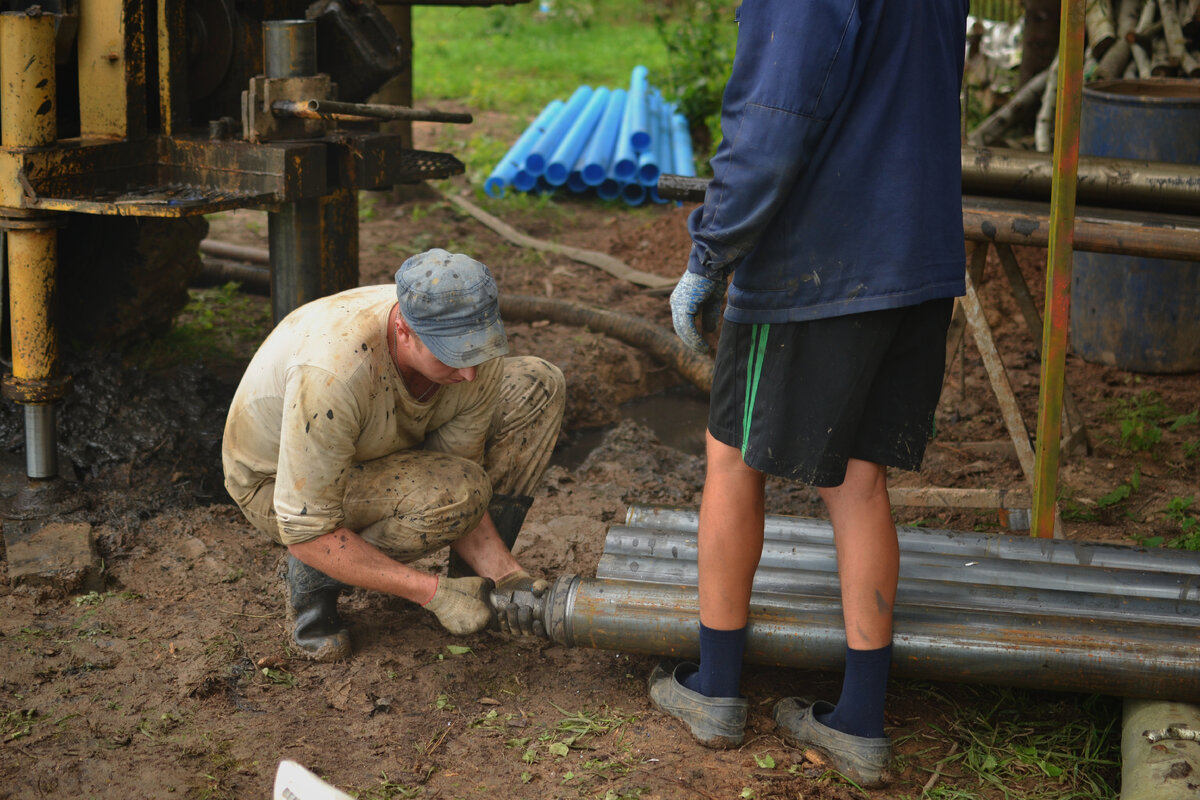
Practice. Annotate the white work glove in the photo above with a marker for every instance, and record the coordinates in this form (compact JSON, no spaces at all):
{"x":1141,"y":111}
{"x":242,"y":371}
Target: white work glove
{"x":696,"y":296}
{"x":514,"y":599}
{"x":460,"y":604}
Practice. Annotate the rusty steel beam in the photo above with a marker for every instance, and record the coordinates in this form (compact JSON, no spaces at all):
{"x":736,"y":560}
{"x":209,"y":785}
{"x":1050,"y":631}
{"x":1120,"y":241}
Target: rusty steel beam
{"x":1097,"y":230}
{"x":1008,"y":610}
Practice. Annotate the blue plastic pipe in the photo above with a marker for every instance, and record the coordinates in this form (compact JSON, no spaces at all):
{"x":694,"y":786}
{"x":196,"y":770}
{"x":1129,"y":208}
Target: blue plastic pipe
{"x":648,"y":169}
{"x":662,"y":146}
{"x":507,"y":169}
{"x":575,"y":183}
{"x":639,"y":131}
{"x":598,"y":153}
{"x":524,"y":181}
{"x":547,"y":143}
{"x":576,"y":137}
{"x":608,"y":189}
{"x":683,"y":161}
{"x":633,"y":193}
{"x":623,"y":167}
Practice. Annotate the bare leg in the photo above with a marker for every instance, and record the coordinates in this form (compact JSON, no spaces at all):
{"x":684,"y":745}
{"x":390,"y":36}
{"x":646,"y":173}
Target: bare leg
{"x":868,"y":553}
{"x":731,"y":536}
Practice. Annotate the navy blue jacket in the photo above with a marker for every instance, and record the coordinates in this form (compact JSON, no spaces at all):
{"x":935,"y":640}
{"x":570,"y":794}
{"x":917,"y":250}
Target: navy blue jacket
{"x":837,"y":187}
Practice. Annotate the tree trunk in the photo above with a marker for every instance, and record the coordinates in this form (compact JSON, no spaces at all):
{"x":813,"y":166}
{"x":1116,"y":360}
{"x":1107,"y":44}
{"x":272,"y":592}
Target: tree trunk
{"x":1040,"y":45}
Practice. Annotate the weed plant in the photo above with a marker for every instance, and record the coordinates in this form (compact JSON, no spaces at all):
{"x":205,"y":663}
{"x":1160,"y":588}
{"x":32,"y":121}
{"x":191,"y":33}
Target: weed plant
{"x":220,"y":325}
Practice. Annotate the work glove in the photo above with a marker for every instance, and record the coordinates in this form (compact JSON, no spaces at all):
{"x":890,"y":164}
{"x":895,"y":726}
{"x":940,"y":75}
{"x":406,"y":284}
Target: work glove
{"x":460,"y":604}
{"x":696,"y":296}
{"x":514,"y":599}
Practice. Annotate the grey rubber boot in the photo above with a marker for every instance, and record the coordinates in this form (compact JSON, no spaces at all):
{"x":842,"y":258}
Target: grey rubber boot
{"x":312,"y":605}
{"x":508,"y":512}
{"x":716,"y":722}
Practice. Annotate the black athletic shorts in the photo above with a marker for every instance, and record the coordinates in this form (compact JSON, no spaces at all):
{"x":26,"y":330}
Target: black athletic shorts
{"x":801,"y":398}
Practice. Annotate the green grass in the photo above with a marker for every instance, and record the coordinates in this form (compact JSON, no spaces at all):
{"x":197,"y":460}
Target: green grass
{"x":515,"y":60}
{"x":1023,"y":745}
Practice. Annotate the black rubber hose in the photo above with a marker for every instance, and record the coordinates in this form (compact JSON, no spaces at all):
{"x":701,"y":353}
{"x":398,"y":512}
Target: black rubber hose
{"x":662,"y":344}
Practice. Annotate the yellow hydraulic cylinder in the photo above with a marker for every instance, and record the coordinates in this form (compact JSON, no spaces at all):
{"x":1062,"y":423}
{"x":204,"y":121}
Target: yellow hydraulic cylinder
{"x":32,"y":256}
{"x":29,"y":120}
{"x":28,"y":117}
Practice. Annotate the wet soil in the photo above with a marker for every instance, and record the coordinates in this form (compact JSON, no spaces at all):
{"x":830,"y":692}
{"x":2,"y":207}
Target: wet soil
{"x":174,"y":677}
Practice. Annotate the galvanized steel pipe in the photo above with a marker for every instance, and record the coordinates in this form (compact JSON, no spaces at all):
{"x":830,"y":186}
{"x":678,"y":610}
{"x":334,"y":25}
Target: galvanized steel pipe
{"x":1113,"y":182}
{"x":290,"y":48}
{"x":1021,"y":549}
{"x":1047,"y":614}
{"x":1021,"y":174}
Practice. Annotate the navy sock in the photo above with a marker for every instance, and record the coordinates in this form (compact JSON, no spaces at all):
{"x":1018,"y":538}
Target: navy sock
{"x":720,"y":673}
{"x":859,"y":711}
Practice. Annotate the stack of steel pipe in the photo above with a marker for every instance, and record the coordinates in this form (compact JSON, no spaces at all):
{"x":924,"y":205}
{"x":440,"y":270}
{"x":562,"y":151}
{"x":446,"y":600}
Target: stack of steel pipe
{"x":975,"y":608}
{"x":615,"y":142}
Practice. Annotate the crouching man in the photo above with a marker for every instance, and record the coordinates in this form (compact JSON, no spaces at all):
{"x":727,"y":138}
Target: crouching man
{"x":381,"y":424}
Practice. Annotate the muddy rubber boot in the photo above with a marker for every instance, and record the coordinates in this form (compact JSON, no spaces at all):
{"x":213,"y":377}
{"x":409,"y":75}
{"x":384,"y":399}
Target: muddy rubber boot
{"x":312,"y":604}
{"x":508,"y":512}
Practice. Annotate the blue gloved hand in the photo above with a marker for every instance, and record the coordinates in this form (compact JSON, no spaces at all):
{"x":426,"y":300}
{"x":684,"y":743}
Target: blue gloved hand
{"x":696,"y":296}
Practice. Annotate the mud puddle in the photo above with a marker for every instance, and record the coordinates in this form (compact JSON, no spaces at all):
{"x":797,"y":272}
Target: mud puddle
{"x":677,"y":418}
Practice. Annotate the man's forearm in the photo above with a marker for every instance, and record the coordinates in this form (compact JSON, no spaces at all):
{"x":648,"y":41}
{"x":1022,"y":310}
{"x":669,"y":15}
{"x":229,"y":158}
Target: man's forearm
{"x":345,"y":556}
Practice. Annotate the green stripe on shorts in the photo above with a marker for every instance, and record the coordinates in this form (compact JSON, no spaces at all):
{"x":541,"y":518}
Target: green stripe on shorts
{"x":758,"y":349}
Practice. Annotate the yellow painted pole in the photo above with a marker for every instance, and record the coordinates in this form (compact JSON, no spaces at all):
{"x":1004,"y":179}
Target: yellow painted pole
{"x":1058,"y":269}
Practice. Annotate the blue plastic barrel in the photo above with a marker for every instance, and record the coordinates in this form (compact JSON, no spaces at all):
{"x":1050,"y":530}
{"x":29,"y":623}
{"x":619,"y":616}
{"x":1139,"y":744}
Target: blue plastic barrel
{"x":1138,"y":314}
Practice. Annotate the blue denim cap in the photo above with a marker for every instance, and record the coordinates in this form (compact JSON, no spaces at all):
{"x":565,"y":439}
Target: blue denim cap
{"x":449,"y":300}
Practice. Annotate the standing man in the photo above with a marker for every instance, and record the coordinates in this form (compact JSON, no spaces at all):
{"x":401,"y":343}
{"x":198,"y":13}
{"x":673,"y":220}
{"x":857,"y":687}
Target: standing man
{"x":381,"y":424}
{"x":836,"y":206}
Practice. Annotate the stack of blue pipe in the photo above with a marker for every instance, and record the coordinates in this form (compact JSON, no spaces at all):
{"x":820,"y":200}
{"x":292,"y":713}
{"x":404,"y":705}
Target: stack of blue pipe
{"x":616,"y":142}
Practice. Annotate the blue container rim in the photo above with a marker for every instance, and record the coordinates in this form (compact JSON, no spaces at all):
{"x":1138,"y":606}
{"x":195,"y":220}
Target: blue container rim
{"x":1156,"y":92}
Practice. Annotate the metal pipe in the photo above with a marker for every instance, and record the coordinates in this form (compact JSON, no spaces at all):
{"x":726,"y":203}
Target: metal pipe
{"x":801,"y":530}
{"x":1009,"y":610}
{"x":337,"y":110}
{"x":963,"y":645}
{"x":41,"y":449}
{"x":1097,"y":230}
{"x":1115,"y":182}
{"x":672,"y":554}
{"x":933,"y":590}
{"x":290,"y":48}
{"x":1021,"y":174}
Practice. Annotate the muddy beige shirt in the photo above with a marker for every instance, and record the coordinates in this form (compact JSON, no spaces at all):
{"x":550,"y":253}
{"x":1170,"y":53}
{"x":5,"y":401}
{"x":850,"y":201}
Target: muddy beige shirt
{"x":322,"y":393}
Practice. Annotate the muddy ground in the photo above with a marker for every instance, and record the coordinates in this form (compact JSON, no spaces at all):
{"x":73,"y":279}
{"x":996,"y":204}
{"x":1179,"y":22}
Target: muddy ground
{"x":173,"y":676}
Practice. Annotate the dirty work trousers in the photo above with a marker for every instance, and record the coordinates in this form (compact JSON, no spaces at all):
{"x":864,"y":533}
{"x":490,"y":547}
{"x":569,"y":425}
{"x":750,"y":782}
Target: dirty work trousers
{"x":412,"y":503}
